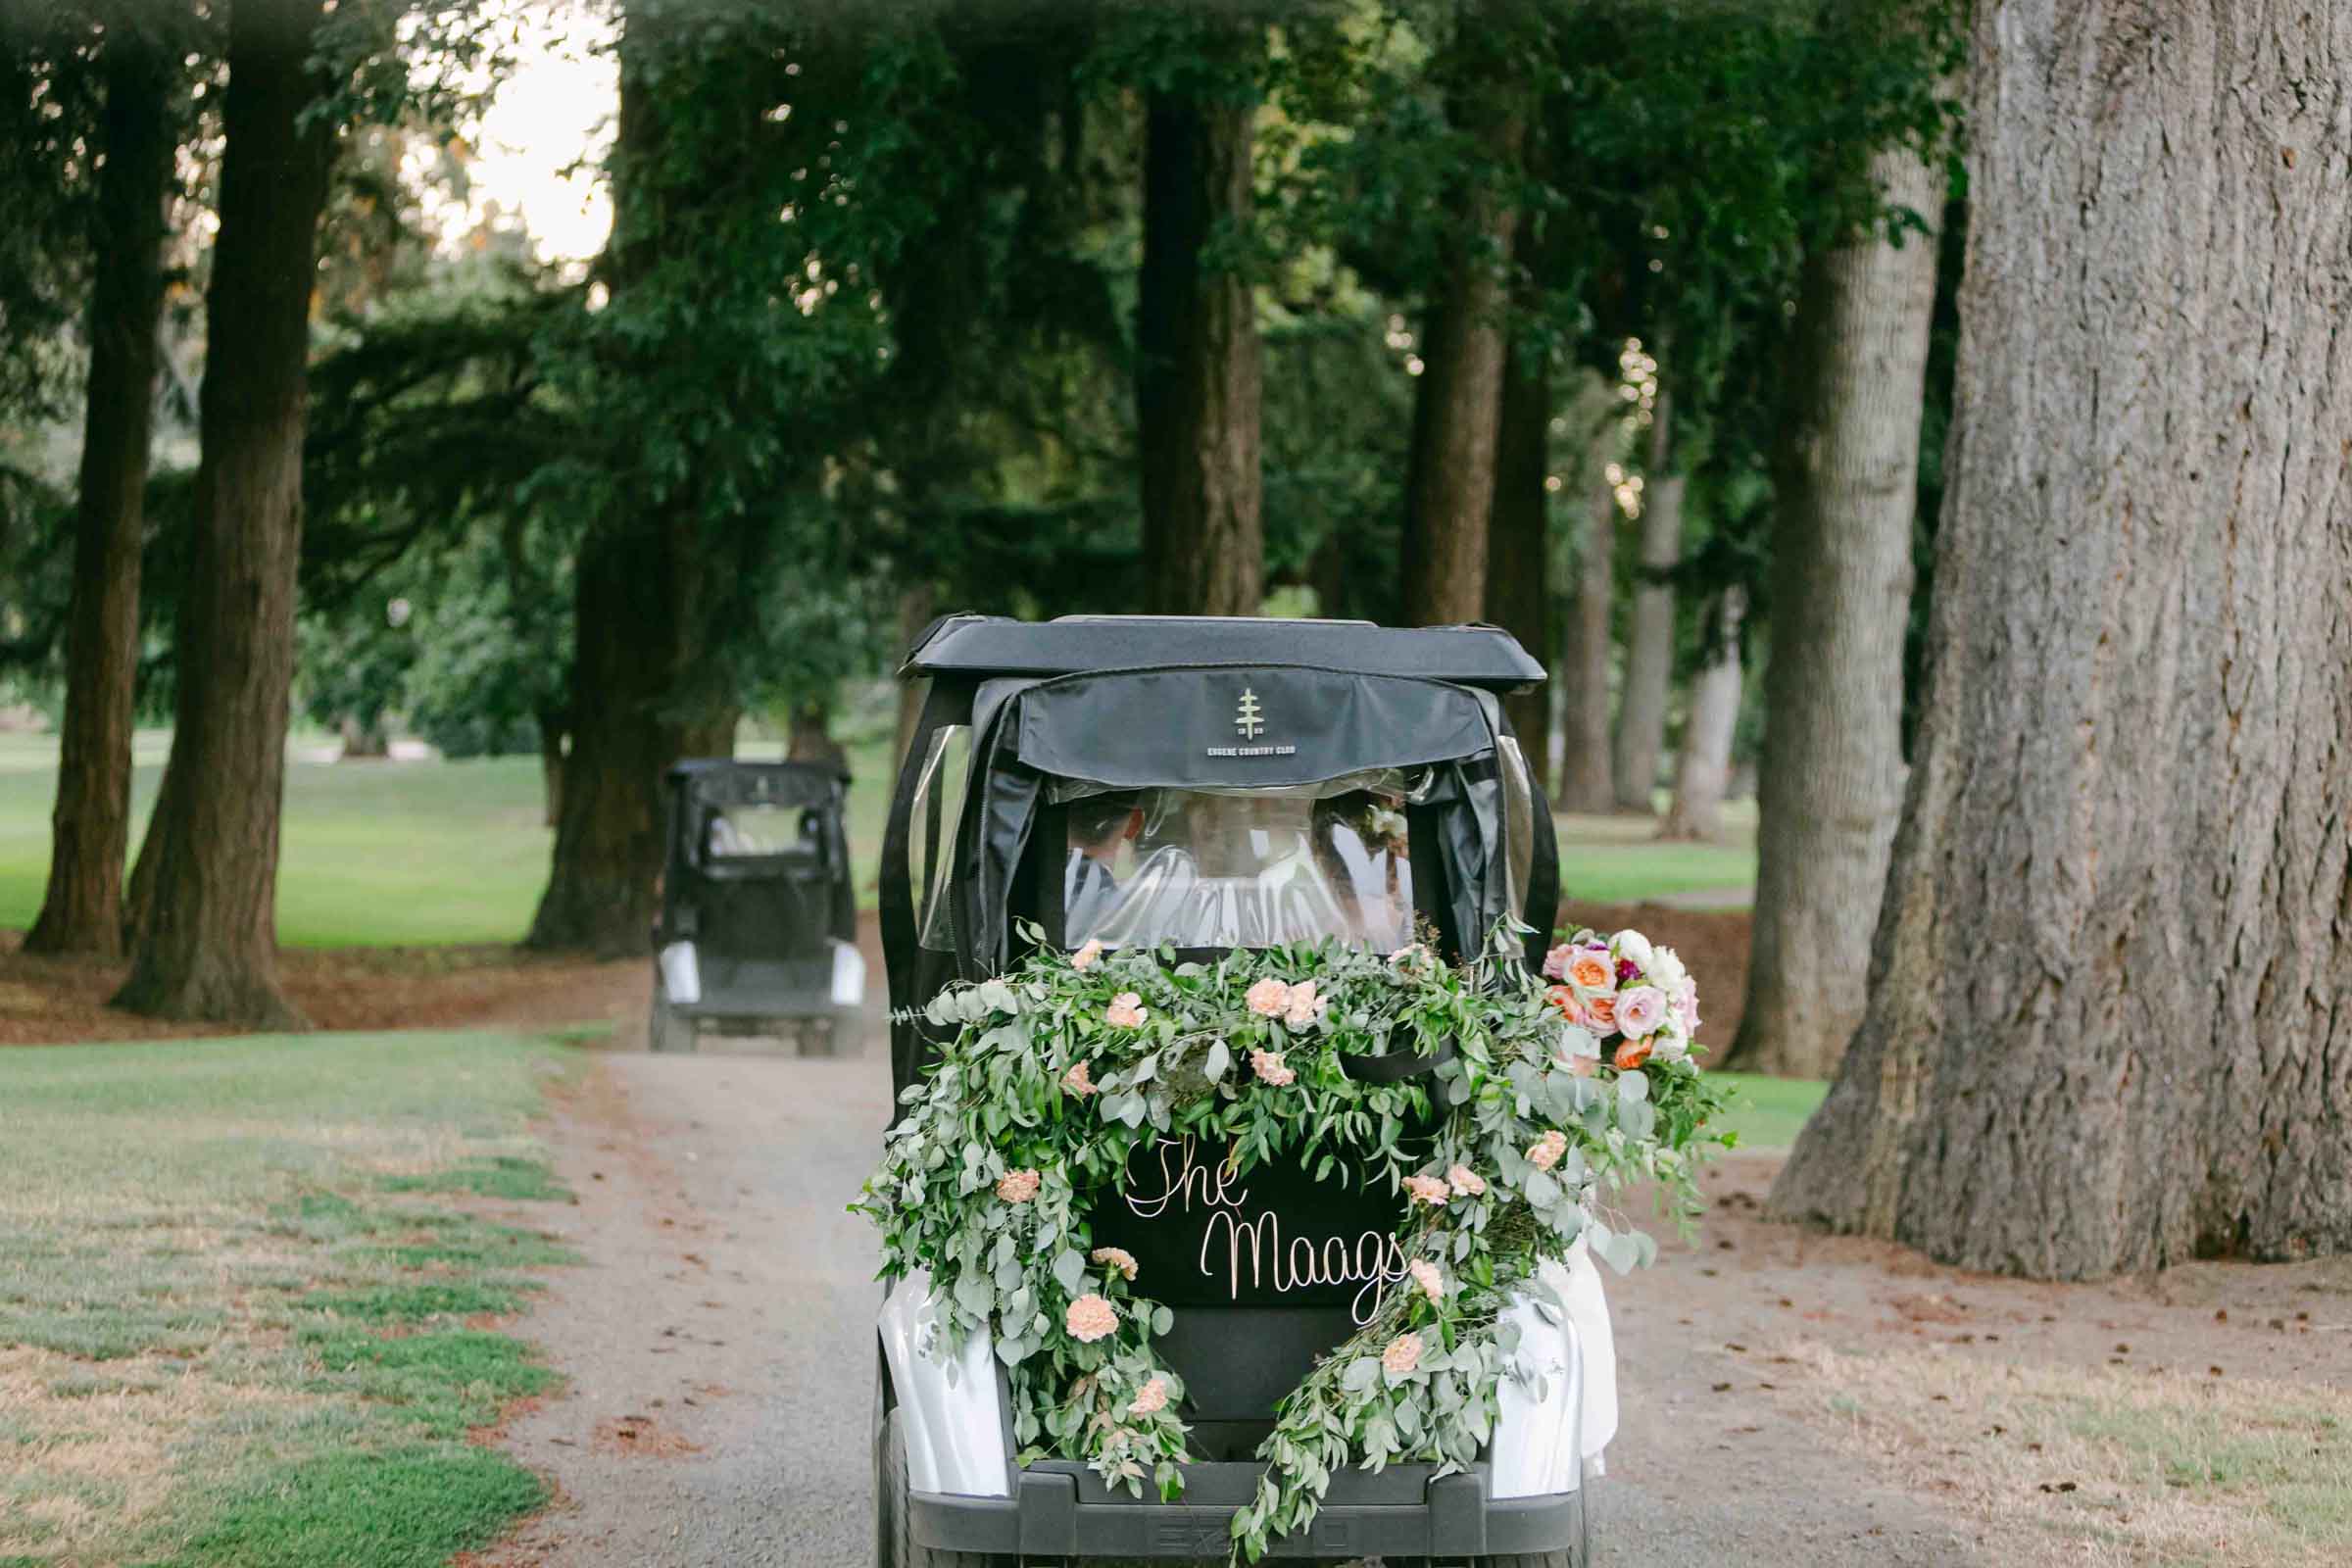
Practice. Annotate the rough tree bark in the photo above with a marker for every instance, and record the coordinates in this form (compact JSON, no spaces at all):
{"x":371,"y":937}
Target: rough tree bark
{"x":1459,"y":404}
{"x":636,"y":593}
{"x":82,"y":908}
{"x":1519,"y":545}
{"x":1702,"y":772}
{"x":207,"y":947}
{"x":1198,"y":376}
{"x":2111,"y":1017}
{"x":1586,"y":784}
{"x":1649,"y":638}
{"x":1845,"y":472}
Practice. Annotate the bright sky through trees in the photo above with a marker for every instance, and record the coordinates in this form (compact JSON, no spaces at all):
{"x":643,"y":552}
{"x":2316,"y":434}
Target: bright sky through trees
{"x":538,"y":148}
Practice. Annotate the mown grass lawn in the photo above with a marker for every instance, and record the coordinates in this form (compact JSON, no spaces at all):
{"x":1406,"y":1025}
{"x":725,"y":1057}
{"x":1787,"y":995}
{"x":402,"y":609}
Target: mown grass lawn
{"x":421,"y":853}
{"x":244,"y":1294}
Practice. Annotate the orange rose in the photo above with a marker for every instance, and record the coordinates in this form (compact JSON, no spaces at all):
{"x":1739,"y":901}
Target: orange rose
{"x":1600,"y":1013}
{"x":1592,"y":972}
{"x":1633,"y":1054}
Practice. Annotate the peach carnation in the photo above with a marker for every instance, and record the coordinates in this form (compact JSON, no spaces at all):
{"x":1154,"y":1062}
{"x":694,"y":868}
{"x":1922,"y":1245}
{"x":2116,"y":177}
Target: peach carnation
{"x":1433,"y":1283}
{"x":1269,"y":998}
{"x":1268,"y":1064}
{"x":1546,"y":1150}
{"x":1584,"y":1066}
{"x":1017,"y":1186}
{"x":1465,"y":1182}
{"x":1305,"y":1005}
{"x":1428,"y":1190}
{"x":1126,"y":1011}
{"x":1079,"y":1081}
{"x":1086,"y":956}
{"x":1117,"y":1257}
{"x":1091,"y":1318}
{"x":1151,"y":1399}
{"x":1403,"y":1356}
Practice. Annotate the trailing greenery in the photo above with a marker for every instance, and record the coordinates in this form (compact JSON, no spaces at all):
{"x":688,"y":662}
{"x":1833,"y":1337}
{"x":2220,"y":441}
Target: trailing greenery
{"x":1503,"y":1156}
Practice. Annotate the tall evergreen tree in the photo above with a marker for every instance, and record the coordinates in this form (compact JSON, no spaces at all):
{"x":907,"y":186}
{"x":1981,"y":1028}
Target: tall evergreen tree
{"x":2107,"y":1027}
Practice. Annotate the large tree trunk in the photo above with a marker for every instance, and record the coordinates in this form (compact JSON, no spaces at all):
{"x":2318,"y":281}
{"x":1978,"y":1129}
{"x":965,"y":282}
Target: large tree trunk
{"x":209,"y":946}
{"x":1704,"y":770}
{"x":1586,"y":784}
{"x":83,"y":910}
{"x":1845,"y":470}
{"x":552,"y":727}
{"x":640,"y":697}
{"x":1198,"y":377}
{"x":1519,"y":545}
{"x":2111,"y":1015}
{"x":636,"y":594}
{"x":1459,"y":406}
{"x":1649,"y":640}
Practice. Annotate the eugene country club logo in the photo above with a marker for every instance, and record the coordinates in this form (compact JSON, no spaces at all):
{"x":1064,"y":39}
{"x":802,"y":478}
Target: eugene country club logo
{"x":1248,"y":718}
{"x":1250,"y":723}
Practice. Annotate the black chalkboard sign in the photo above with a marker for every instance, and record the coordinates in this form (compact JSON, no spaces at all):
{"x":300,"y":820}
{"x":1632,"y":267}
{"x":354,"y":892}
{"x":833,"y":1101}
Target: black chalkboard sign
{"x":1274,"y":1237}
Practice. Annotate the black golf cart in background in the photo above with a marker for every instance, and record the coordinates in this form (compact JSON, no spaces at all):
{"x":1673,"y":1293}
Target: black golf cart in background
{"x":758,"y":925}
{"x":1206,"y":785}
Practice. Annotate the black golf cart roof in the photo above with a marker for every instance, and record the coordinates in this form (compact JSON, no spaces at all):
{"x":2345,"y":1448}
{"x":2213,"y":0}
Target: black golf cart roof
{"x":1486,"y":656}
{"x":786,"y":783}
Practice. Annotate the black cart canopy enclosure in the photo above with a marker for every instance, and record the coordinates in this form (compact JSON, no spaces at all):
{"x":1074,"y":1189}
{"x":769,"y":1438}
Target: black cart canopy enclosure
{"x":1207,"y":784}
{"x":758,"y":861}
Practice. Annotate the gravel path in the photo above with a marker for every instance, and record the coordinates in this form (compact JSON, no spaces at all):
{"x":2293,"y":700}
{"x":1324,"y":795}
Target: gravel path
{"x":720,"y":1356}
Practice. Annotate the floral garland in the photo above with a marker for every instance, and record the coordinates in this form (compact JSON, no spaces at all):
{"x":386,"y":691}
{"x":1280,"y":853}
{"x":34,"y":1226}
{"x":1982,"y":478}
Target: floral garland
{"x":1061,"y":1071}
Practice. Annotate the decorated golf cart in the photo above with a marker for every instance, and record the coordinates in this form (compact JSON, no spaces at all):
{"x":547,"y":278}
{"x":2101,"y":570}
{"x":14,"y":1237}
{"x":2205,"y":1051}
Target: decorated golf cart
{"x":1255,"y":1139}
{"x":757,"y":932}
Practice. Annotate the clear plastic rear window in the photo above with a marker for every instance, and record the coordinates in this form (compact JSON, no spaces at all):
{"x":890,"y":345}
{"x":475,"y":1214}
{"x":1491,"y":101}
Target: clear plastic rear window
{"x":758,"y":832}
{"x":1204,"y":868}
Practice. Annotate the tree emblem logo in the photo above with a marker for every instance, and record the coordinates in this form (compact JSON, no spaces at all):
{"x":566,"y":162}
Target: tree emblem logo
{"x":1248,"y":718}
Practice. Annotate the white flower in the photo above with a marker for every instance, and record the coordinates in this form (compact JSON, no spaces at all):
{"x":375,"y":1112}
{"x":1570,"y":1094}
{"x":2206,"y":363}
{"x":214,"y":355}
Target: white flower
{"x":1666,"y":970}
{"x":1667,"y":1045}
{"x":1632,"y":944}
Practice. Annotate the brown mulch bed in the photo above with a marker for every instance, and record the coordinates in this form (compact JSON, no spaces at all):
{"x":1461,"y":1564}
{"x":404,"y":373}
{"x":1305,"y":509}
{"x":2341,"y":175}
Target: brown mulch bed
{"x":54,"y":1001}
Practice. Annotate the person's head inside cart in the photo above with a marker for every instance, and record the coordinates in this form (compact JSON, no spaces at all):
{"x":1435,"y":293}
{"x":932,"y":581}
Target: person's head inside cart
{"x":1100,"y":827}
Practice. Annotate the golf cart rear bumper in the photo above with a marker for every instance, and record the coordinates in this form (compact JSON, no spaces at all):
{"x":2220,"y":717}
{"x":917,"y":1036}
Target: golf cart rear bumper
{"x":1061,"y":1509}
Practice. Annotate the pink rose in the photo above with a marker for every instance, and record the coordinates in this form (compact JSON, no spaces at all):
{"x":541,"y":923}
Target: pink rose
{"x":1403,"y":1356}
{"x":1555,"y":962}
{"x":1151,"y":1399}
{"x":1465,"y":1182}
{"x":1091,"y":1318}
{"x":1268,"y":1064}
{"x":1305,"y":1005}
{"x":1433,"y":1283}
{"x":1079,"y":1082}
{"x":1269,"y":998}
{"x":1600,"y":1015}
{"x":1117,"y":1257}
{"x":1640,"y":1010}
{"x":1126,"y":1011}
{"x":1017,"y":1186}
{"x":1546,"y":1150}
{"x":1686,"y":1005}
{"x":1087,"y":956}
{"x":1428,"y":1190}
